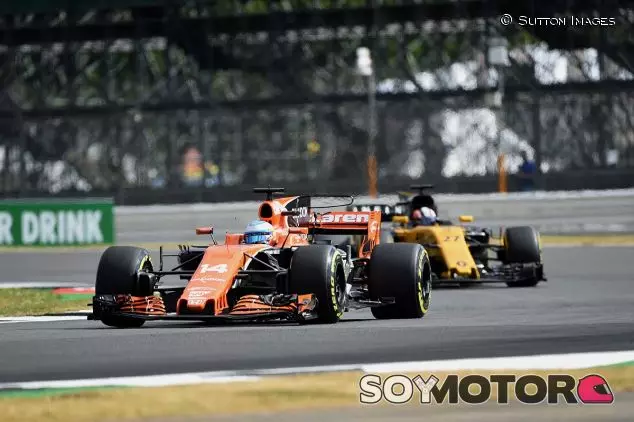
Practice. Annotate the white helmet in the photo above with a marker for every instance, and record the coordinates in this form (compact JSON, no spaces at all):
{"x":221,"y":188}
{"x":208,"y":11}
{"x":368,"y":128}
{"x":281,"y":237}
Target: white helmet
{"x":428,"y":216}
{"x":258,"y":231}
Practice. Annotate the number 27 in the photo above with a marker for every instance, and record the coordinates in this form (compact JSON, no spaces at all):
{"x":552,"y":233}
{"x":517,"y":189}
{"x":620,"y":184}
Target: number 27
{"x":451,"y":238}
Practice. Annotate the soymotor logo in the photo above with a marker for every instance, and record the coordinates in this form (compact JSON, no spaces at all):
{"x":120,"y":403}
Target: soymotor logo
{"x":477,"y":389}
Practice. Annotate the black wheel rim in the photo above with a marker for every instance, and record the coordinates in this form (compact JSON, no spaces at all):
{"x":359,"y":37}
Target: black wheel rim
{"x":340,"y":290}
{"x":426,"y":285}
{"x":426,"y":288}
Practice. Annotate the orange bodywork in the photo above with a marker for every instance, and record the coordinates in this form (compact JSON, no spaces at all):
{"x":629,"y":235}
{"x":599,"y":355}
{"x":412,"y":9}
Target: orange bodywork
{"x":214,"y":277}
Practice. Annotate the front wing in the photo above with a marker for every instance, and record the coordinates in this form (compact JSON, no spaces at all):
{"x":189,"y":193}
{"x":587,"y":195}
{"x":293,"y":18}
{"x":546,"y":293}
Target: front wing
{"x":510,"y":273}
{"x":248,"y":308}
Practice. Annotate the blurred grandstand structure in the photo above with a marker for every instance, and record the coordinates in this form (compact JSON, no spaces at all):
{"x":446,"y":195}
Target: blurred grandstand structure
{"x":156,"y":100}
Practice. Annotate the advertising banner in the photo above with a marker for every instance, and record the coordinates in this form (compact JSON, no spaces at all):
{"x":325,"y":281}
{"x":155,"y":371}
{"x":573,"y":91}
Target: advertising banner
{"x":43,"y":222}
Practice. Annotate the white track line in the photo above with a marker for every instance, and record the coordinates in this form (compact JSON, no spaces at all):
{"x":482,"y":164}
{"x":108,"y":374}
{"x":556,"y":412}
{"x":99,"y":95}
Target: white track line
{"x":41,"y":285}
{"x":541,"y":362}
{"x":149,"y":381}
{"x":55,"y":318}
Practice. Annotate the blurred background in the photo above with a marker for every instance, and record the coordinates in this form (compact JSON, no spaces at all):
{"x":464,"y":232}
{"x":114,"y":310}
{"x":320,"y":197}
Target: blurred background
{"x":156,"y":101}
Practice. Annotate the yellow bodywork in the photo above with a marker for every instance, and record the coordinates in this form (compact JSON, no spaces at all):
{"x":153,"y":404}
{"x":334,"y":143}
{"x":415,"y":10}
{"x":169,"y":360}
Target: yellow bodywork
{"x":447,"y":243}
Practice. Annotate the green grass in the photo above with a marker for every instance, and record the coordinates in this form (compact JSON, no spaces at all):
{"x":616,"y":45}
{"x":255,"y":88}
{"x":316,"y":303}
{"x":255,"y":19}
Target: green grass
{"x":32,"y":302}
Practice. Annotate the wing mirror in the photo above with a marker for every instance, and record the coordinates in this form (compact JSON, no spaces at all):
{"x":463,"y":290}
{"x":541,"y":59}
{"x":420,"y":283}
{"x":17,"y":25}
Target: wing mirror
{"x":204,"y":230}
{"x":207,"y":230}
{"x":402,"y":219}
{"x":466,"y":219}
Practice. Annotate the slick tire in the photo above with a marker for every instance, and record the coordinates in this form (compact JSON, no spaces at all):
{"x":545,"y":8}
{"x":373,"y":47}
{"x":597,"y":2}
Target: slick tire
{"x":522,"y":246}
{"x":401,"y":271}
{"x":117,"y":274}
{"x":318,"y":269}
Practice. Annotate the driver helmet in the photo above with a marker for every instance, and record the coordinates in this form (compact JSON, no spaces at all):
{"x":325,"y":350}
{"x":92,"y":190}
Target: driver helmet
{"x":258,"y":231}
{"x":425,"y":215}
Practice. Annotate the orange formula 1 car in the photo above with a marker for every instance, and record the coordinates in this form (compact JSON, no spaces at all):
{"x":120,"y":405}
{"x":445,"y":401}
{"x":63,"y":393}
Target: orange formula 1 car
{"x":292,"y":276}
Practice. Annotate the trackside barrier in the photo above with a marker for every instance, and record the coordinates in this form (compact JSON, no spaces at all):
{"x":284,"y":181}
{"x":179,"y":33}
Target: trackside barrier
{"x":537,"y":197}
{"x":579,"y":212}
{"x":59,"y":222}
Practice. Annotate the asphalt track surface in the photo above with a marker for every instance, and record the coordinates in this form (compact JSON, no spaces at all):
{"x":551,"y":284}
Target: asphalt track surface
{"x":587,"y":305}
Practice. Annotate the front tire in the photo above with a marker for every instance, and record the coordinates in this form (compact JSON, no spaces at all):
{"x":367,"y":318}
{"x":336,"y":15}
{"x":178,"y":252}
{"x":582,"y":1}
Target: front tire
{"x":117,"y":273}
{"x":318,"y":269}
{"x":401,"y":271}
{"x":522,"y":246}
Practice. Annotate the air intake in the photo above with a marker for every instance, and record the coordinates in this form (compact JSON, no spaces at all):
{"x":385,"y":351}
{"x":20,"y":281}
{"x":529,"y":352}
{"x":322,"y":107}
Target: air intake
{"x":266,"y":211}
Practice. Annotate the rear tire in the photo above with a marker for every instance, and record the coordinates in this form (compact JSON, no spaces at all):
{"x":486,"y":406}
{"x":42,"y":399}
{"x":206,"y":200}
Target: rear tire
{"x":117,"y":274}
{"x":401,"y":271}
{"x":522,"y":246}
{"x":318,"y":269}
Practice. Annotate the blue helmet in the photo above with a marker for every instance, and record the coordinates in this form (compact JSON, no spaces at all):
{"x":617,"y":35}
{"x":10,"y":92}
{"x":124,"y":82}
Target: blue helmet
{"x":258,"y":231}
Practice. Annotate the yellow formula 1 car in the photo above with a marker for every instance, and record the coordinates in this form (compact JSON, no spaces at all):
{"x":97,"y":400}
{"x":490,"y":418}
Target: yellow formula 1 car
{"x":464,"y":253}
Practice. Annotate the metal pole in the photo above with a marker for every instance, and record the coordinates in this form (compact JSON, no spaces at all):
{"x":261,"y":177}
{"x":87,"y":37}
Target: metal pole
{"x":365,"y":67}
{"x":498,"y":58}
{"x":537,"y":137}
{"x":502,"y":186}
{"x":372,"y":164}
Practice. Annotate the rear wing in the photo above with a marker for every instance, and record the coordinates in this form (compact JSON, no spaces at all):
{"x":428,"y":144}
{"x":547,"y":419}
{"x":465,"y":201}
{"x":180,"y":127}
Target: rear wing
{"x":346,"y":222}
{"x":365,"y":224}
{"x":387,"y":211}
